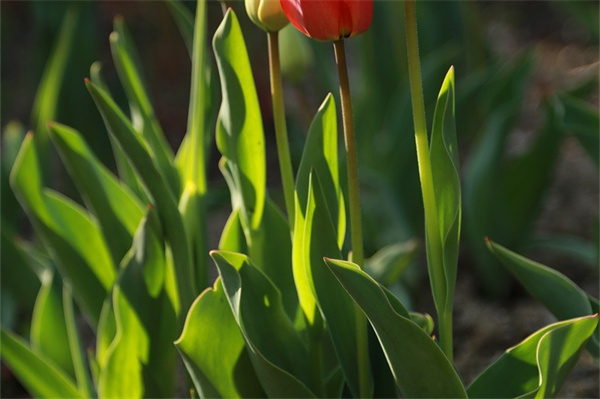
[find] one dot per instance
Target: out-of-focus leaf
(18, 277)
(13, 135)
(387, 265)
(140, 360)
(561, 296)
(166, 204)
(117, 209)
(192, 209)
(185, 22)
(73, 238)
(48, 326)
(337, 308)
(142, 113)
(484, 213)
(538, 366)
(192, 167)
(46, 98)
(232, 237)
(239, 127)
(419, 366)
(223, 368)
(582, 119)
(40, 376)
(296, 54)
(574, 247)
(526, 178)
(77, 355)
(126, 171)
(276, 349)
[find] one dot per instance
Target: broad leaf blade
(138, 153)
(276, 349)
(38, 374)
(419, 366)
(221, 369)
(117, 209)
(140, 360)
(561, 296)
(72, 237)
(239, 127)
(539, 365)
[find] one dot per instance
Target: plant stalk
(354, 205)
(434, 247)
(283, 148)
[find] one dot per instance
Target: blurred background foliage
(527, 121)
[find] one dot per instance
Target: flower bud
(266, 14)
(328, 20)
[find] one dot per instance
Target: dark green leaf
(277, 352)
(538, 366)
(419, 366)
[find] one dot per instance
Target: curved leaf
(39, 375)
(275, 347)
(419, 366)
(166, 204)
(539, 365)
(337, 308)
(239, 127)
(561, 296)
(221, 369)
(117, 209)
(141, 358)
(74, 239)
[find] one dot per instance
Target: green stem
(354, 204)
(283, 148)
(434, 247)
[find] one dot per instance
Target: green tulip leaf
(582, 120)
(232, 237)
(221, 369)
(185, 22)
(561, 296)
(117, 209)
(139, 361)
(538, 366)
(419, 366)
(239, 127)
(389, 263)
(48, 92)
(142, 114)
(73, 238)
(320, 153)
(446, 183)
(276, 349)
(48, 333)
(138, 154)
(335, 305)
(38, 374)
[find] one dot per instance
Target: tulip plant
(296, 310)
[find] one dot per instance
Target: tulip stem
(354, 204)
(434, 241)
(283, 148)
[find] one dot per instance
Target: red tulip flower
(328, 20)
